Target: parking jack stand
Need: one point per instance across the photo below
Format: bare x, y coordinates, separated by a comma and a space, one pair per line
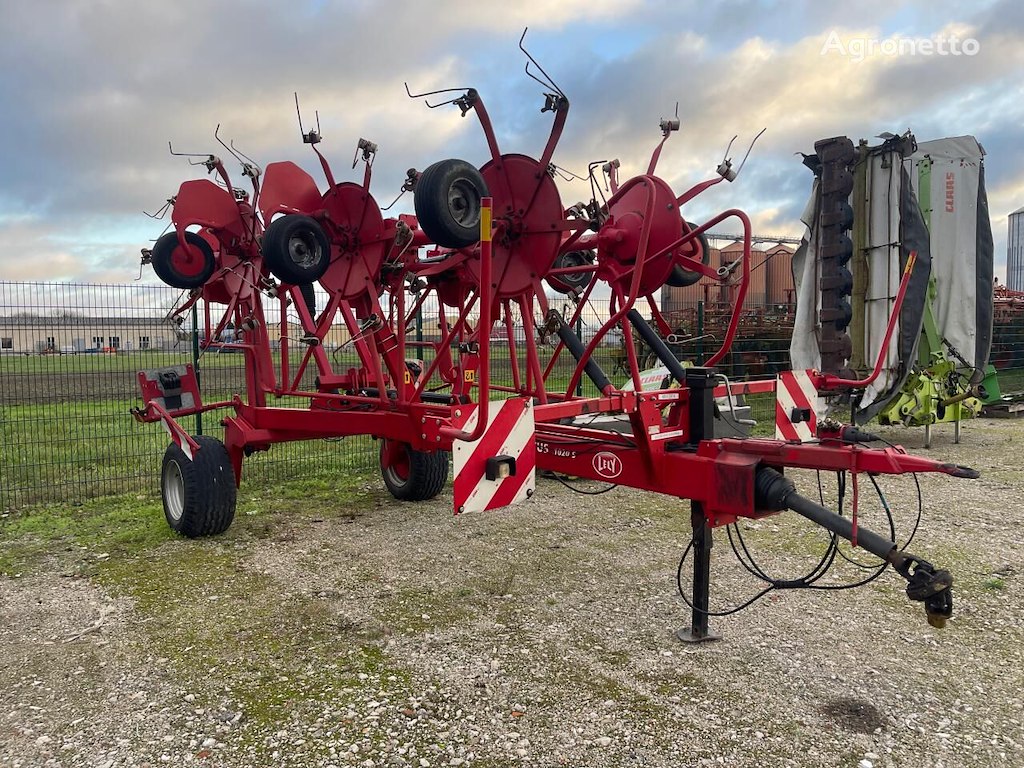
701, 383
698, 631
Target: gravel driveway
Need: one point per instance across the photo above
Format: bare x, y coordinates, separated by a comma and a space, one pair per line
348, 629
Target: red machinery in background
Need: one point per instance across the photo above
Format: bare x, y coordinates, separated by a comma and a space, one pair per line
480, 247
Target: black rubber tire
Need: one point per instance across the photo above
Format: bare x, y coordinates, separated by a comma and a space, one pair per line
199, 496
447, 200
681, 278
163, 254
296, 249
428, 473
568, 283
309, 297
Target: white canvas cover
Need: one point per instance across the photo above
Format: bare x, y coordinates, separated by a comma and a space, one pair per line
803, 347
957, 249
961, 243
893, 229
888, 239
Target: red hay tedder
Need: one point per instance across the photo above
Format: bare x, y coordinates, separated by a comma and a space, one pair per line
481, 245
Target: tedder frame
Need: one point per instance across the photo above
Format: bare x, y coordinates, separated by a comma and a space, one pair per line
483, 243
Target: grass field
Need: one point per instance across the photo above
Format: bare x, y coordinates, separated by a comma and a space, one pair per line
67, 434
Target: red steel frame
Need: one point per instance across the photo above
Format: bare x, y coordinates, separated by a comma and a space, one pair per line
639, 238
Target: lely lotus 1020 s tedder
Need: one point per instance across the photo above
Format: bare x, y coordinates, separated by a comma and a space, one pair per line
478, 251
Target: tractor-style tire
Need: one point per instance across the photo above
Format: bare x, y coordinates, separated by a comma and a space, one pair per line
296, 249
681, 278
411, 475
181, 268
447, 199
572, 282
309, 298
199, 495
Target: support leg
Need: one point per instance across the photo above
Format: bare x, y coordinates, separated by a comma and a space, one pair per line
699, 632
701, 383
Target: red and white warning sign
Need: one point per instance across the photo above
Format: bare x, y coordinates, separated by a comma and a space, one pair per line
506, 451
797, 406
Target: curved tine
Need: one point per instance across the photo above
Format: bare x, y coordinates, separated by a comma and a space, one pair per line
433, 93
566, 174
298, 113
170, 148
238, 152
393, 202
216, 135
595, 188
308, 138
161, 211
547, 82
752, 143
725, 157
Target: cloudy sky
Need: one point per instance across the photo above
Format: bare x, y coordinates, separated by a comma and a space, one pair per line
92, 90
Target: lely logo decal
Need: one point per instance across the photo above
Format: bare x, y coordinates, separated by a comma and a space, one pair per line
607, 465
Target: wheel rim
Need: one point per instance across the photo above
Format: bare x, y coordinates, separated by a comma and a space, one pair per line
576, 259
189, 261
464, 202
304, 250
395, 460
173, 487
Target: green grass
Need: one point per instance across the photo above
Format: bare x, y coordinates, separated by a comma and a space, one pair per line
199, 606
113, 527
129, 362
75, 451
994, 584
1011, 381
133, 524
78, 441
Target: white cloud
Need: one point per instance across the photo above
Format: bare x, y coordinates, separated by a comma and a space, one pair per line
93, 92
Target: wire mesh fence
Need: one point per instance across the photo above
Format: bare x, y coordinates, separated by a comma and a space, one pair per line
69, 355
1008, 351
68, 365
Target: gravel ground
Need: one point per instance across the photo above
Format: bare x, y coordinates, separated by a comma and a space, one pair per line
359, 631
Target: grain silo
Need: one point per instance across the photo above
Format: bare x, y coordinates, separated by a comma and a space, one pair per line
1015, 251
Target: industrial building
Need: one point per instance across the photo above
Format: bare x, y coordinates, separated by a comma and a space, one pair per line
771, 282
1015, 251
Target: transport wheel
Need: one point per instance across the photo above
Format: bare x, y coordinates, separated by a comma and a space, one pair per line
447, 200
574, 282
296, 249
198, 495
309, 298
679, 277
411, 475
183, 267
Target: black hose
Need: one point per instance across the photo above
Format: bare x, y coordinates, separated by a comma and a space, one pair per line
576, 349
775, 491
657, 345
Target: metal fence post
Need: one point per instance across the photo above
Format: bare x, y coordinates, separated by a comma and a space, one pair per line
195, 362
700, 332
579, 333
